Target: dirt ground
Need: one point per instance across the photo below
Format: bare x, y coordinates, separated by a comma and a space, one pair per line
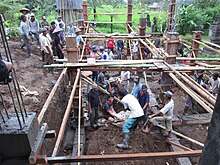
32, 76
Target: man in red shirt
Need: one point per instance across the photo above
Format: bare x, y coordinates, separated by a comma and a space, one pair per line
110, 44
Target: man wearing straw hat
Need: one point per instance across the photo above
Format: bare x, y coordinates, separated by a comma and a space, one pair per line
57, 41
79, 39
26, 12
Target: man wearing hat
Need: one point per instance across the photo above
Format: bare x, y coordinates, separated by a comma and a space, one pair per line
26, 13
34, 28
46, 50
79, 39
57, 42
164, 115
25, 34
93, 105
58, 21
137, 86
144, 99
44, 22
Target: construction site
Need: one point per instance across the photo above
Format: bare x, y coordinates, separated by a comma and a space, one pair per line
44, 110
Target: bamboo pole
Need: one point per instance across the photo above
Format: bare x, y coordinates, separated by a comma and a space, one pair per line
66, 116
179, 146
209, 47
191, 93
48, 101
106, 22
183, 136
210, 43
79, 115
129, 42
199, 86
200, 90
125, 13
151, 50
145, 76
130, 27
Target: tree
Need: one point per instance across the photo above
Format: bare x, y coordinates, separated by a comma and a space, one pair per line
202, 4
94, 4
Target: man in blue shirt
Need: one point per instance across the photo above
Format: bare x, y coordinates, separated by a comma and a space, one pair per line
137, 87
144, 99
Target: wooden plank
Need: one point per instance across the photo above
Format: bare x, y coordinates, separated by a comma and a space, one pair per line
48, 101
177, 147
204, 64
120, 157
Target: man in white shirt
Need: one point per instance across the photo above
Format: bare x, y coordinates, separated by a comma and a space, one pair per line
214, 84
125, 79
47, 53
165, 114
58, 21
136, 115
79, 39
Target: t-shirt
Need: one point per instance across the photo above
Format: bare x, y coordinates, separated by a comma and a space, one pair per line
24, 29
167, 110
57, 42
101, 79
120, 44
45, 42
136, 89
215, 84
110, 43
93, 98
107, 107
79, 40
33, 26
125, 75
143, 98
58, 23
129, 101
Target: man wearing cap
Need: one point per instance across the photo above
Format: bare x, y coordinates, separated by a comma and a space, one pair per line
34, 28
44, 22
94, 54
136, 115
46, 50
108, 111
93, 105
57, 42
165, 114
59, 20
144, 99
25, 34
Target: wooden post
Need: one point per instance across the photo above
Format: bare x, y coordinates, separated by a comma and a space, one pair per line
73, 55
170, 49
129, 21
195, 45
170, 21
85, 10
142, 32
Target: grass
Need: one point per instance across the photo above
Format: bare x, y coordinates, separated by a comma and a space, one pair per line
121, 28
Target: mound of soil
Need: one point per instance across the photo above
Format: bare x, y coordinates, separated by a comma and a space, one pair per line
104, 140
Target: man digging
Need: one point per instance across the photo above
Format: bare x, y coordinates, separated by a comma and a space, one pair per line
165, 114
136, 115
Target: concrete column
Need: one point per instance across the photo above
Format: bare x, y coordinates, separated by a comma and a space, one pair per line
170, 21
142, 32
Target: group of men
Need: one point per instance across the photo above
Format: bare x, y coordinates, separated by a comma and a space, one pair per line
50, 39
137, 102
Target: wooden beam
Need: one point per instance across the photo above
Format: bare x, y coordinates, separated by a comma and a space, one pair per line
48, 101
121, 157
183, 136
106, 22
66, 116
209, 47
179, 145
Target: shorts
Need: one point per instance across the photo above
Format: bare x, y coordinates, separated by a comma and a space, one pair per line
36, 36
3, 71
157, 120
107, 116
